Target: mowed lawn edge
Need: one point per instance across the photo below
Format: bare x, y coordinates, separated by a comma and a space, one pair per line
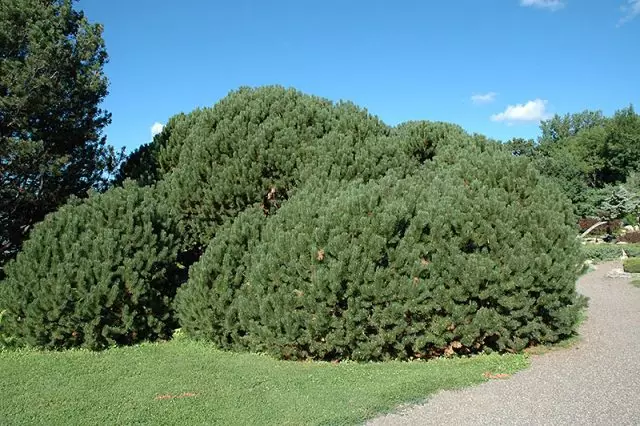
187, 382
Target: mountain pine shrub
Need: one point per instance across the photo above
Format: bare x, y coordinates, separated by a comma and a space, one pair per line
256, 146
207, 307
94, 273
153, 161
475, 252
421, 138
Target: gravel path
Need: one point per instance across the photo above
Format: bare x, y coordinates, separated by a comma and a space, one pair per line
596, 382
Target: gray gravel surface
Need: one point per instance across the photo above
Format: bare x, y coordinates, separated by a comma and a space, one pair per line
595, 382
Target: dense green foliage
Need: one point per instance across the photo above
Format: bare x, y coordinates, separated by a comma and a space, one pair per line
206, 307
589, 155
422, 138
94, 273
632, 265
6, 340
188, 383
604, 252
326, 234
51, 85
475, 252
153, 161
258, 145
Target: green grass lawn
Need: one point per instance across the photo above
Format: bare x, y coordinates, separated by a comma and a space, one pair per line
184, 382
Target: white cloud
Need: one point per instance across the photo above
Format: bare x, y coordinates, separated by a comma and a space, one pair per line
483, 98
543, 4
532, 111
631, 9
156, 128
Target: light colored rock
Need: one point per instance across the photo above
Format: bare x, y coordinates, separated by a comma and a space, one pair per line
618, 273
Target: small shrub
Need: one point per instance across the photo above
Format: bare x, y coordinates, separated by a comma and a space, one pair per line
606, 252
94, 273
632, 265
630, 237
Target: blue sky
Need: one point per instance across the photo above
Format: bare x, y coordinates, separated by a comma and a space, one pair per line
493, 66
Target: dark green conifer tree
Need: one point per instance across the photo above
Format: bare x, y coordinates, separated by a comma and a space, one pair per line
51, 86
207, 310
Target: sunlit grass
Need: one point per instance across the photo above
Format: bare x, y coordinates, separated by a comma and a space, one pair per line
185, 382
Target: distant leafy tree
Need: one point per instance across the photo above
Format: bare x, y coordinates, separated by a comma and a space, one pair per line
559, 127
589, 150
520, 147
585, 153
51, 86
565, 169
623, 144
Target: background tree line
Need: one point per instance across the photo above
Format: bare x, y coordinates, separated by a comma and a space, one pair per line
594, 158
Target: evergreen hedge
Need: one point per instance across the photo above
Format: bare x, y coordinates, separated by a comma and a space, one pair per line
475, 252
257, 145
94, 273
